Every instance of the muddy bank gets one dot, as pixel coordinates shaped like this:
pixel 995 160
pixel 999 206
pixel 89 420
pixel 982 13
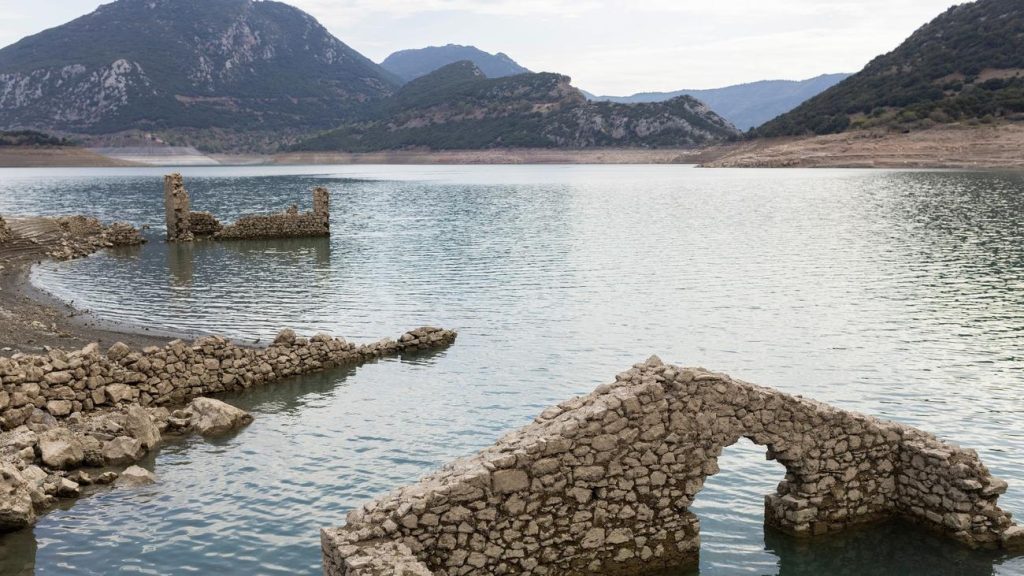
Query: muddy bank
pixel 30 319
pixel 954 147
pixel 17 157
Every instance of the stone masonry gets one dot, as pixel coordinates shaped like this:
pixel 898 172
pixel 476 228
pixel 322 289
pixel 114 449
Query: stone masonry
pixel 177 209
pixel 183 225
pixel 602 484
pixel 5 231
pixel 62 383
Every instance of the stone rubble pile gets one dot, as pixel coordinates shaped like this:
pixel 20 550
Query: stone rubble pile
pixel 603 484
pixel 63 411
pixel 84 235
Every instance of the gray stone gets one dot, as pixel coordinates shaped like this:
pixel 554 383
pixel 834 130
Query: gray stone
pixel 60 449
pixel 135 476
pixel 212 417
pixel 122 450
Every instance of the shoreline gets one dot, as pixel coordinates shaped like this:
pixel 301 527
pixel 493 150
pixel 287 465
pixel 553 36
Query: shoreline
pixel 32 319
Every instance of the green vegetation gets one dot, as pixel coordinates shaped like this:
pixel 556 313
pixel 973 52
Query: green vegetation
pixel 457 107
pixel 966 65
pixel 27 138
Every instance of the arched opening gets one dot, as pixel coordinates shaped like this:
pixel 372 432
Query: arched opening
pixel 731 508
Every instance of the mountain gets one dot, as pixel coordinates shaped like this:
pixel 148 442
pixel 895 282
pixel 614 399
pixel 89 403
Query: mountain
pixel 745 105
pixel 965 65
pixel 411 64
pixel 210 65
pixel 458 107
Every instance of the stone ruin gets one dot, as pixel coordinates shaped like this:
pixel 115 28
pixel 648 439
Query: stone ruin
pixel 184 225
pixel 603 484
pixel 5 231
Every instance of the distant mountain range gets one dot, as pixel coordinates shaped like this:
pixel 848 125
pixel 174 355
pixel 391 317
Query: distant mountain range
pixel 411 64
pixel 215 66
pixel 458 107
pixel 965 65
pixel 745 105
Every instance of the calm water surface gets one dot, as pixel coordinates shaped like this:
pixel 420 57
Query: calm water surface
pixel 900 294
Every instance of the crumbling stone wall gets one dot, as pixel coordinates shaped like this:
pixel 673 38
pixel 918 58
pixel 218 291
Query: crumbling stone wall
pixel 603 484
pixel 61 383
pixel 5 231
pixel 177 209
pixel 183 225
pixel 204 224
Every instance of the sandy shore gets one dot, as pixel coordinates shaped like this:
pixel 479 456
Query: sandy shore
pixel 31 319
pixel 962 147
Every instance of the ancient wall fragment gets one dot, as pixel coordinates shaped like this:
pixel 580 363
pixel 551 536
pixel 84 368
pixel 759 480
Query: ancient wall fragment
pixel 602 484
pixel 177 209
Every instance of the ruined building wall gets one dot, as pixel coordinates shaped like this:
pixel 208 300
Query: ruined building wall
pixel 204 224
pixel 177 209
pixel 81 381
pixel 602 484
pixel 5 231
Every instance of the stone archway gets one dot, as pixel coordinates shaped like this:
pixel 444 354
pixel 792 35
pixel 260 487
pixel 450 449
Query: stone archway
pixel 603 484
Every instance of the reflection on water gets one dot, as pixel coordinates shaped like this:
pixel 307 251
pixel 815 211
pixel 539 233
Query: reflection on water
pixel 899 294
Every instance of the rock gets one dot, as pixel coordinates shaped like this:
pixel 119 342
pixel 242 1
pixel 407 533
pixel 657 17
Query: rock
pixel 118 351
pixel 135 476
pixel 80 477
pixel 59 407
pixel 140 426
pixel 67 488
pixel 106 478
pixel 16 510
pixel 212 417
pixel 285 337
pixel 120 393
pixel 60 449
pixel 507 481
pixel 123 450
pixel 1013 539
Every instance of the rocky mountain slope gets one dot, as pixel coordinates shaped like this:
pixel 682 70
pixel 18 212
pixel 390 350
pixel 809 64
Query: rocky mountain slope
pixel 745 105
pixel 211 65
pixel 965 65
pixel 411 64
pixel 458 107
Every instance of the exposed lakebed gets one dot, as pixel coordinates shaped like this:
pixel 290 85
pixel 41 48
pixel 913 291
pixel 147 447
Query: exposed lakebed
pixel 899 294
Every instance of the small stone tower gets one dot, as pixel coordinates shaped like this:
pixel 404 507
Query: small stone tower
pixel 322 206
pixel 176 205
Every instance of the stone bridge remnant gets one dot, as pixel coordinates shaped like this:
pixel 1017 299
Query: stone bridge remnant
pixel 602 484
pixel 184 225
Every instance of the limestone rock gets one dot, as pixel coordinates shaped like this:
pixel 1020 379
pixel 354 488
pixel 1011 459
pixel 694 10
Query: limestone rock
pixel 122 450
pixel 60 449
pixel 16 510
pixel 135 476
pixel 140 426
pixel 1013 539
pixel 212 417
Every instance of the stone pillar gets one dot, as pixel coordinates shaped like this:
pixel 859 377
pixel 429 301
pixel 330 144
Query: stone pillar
pixel 5 231
pixel 322 206
pixel 176 206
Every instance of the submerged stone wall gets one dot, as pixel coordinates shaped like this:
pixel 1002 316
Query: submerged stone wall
pixel 63 383
pixel 602 484
pixel 183 225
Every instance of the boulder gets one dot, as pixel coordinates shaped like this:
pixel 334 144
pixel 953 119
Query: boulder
pixel 211 417
pixel 121 393
pixel 59 407
pixel 135 476
pixel 1013 539
pixel 122 450
pixel 60 449
pixel 16 511
pixel 140 426
pixel 68 488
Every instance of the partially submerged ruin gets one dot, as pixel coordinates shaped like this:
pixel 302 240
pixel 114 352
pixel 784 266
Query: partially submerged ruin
pixel 602 484
pixel 184 225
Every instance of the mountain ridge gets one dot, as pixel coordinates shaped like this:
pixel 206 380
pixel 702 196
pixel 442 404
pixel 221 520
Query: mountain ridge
pixel 417 62
pixel 965 65
pixel 458 107
pixel 746 105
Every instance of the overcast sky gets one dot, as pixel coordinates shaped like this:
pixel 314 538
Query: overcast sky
pixel 608 46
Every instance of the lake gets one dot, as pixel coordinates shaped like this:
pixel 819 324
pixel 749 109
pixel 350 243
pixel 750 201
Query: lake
pixel 895 293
